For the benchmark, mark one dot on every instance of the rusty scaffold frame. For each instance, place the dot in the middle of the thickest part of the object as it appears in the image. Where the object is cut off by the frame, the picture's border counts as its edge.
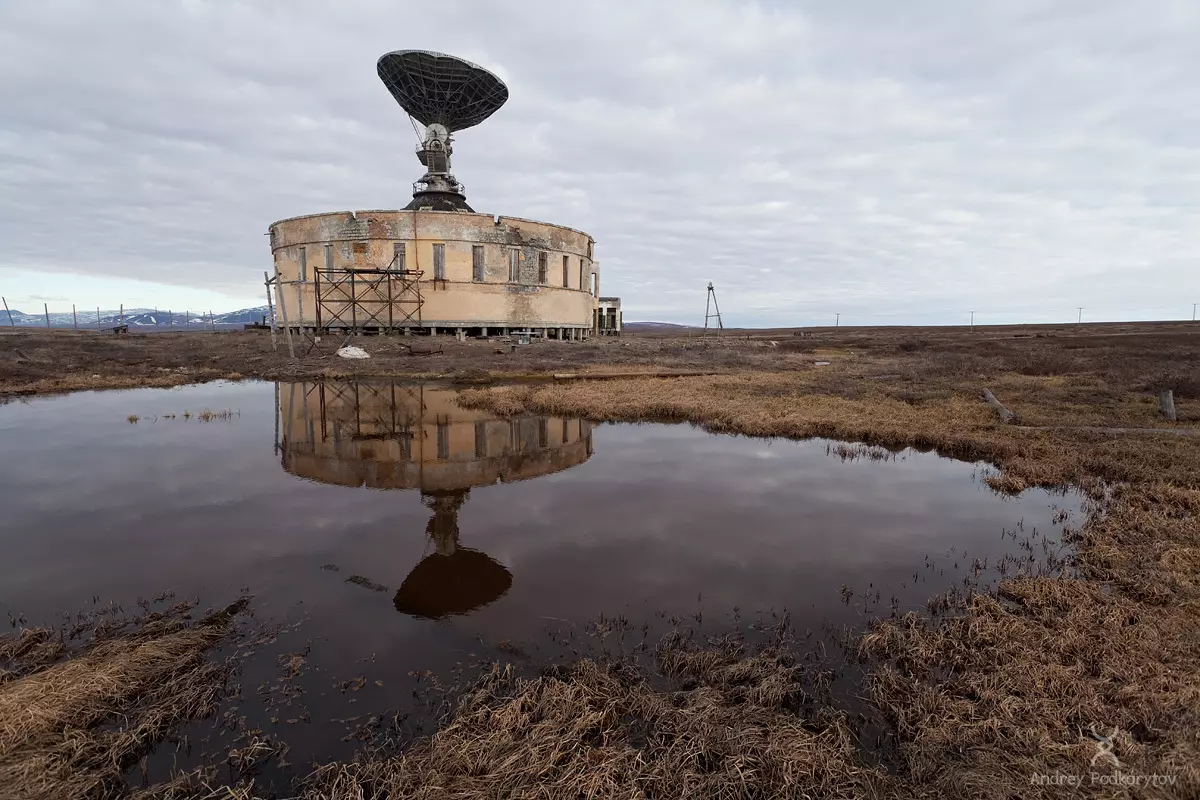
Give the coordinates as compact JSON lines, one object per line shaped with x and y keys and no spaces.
{"x":356,"y":300}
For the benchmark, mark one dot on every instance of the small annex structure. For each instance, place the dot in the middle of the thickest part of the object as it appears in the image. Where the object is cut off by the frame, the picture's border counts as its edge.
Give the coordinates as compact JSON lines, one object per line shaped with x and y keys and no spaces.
{"x":435,"y":266}
{"x":608,"y":316}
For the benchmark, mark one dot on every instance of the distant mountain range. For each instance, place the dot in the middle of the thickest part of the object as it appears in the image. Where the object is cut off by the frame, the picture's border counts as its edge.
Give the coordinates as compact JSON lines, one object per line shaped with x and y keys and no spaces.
{"x":146,"y":318}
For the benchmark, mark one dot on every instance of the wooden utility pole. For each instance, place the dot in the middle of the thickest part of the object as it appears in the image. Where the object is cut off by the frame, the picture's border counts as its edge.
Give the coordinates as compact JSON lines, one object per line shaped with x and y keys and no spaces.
{"x":11,"y":324}
{"x":287,"y":328}
{"x":46,"y":309}
{"x":271,"y":313}
{"x":74,"y":318}
{"x":97,"y":317}
{"x":711,"y":302}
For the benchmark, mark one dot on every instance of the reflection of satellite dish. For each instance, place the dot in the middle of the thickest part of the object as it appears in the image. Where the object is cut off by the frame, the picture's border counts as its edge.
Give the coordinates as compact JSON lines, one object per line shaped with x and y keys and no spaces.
{"x":453,"y":580}
{"x":445,"y":585}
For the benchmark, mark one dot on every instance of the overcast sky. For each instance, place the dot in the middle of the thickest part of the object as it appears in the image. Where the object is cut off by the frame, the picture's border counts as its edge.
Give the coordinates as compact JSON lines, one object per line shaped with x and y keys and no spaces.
{"x":897,"y":162}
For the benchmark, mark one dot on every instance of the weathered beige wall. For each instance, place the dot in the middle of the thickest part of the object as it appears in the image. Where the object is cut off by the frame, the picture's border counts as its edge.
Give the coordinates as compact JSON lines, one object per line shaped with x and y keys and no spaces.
{"x":390,"y":436}
{"x":366,"y":239}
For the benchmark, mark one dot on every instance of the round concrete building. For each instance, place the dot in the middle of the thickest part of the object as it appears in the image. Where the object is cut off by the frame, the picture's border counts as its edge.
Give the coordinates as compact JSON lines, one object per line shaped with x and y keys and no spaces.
{"x":435,"y":266}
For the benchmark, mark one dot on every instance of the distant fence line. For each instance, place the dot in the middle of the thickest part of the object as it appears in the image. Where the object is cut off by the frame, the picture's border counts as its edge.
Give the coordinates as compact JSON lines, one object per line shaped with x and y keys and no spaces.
{"x":86,"y":319}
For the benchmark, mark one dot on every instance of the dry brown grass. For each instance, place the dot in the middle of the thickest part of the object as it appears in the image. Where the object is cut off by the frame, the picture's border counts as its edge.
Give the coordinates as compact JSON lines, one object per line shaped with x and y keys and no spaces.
{"x":598,"y":730}
{"x":1012,"y":685}
{"x":56,"y":740}
{"x":1002,"y":688}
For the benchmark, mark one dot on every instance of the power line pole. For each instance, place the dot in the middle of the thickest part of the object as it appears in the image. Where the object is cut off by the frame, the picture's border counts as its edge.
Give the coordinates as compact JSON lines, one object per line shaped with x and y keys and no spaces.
{"x":972,"y":320}
{"x":1080,"y":318}
{"x":837,"y":320}
{"x":711,"y":298}
{"x":1194,"y":311}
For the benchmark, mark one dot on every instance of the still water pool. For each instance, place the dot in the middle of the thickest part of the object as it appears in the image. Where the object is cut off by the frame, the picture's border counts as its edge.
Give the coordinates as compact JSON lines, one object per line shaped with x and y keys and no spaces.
{"x":394,"y":532}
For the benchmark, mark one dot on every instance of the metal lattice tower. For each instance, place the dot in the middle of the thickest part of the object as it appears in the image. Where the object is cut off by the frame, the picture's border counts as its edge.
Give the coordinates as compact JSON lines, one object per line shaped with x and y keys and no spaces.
{"x":710,"y":303}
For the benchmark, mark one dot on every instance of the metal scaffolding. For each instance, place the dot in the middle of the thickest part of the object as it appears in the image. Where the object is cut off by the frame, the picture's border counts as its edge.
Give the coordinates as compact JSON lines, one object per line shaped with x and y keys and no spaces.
{"x":360,"y":300}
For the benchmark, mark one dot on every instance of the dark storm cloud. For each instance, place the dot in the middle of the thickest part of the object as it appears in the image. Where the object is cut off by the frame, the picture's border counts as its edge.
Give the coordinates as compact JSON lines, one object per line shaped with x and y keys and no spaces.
{"x":894,"y":162}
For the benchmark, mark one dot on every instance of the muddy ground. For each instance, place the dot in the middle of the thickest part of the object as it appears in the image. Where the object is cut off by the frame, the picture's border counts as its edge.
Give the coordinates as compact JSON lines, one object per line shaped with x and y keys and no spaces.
{"x":1130,"y":356}
{"x":1082,"y":685}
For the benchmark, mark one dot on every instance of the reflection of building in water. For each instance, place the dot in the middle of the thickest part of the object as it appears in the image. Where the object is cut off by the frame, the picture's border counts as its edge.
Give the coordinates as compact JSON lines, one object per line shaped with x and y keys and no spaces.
{"x":388,"y":435}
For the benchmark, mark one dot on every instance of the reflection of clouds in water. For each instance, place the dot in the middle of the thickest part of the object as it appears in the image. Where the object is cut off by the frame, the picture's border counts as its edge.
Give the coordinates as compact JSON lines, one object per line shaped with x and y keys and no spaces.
{"x":658,"y":515}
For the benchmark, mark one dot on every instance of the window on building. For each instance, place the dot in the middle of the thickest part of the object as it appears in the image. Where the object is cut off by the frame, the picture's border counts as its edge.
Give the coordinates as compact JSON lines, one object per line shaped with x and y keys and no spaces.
{"x":398,"y":255}
{"x":543,"y":259}
{"x":477,"y":262}
{"x":566,"y":434}
{"x":543,"y":433}
{"x":328,"y":256}
{"x":303,"y":264}
{"x":443,"y":440}
{"x":439,"y":262}
{"x":514,"y":266}
{"x":566,"y":271}
{"x":582,"y":279}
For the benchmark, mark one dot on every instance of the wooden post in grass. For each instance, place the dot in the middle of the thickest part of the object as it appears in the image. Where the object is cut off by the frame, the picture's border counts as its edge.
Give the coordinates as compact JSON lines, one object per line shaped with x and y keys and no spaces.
{"x":97,"y":317}
{"x":46,"y":309}
{"x":287,"y":329}
{"x":11,"y":324}
{"x":1166,"y":404}
{"x":271,"y":314}
{"x":74,"y":318}
{"x":1006,"y":416}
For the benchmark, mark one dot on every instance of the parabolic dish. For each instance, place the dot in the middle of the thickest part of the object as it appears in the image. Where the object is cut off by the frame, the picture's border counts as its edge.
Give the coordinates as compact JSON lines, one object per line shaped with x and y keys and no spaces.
{"x":441,"y":89}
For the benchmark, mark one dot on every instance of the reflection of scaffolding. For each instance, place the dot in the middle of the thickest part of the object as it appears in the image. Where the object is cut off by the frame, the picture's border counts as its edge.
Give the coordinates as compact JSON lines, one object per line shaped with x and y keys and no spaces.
{"x":375,"y":300}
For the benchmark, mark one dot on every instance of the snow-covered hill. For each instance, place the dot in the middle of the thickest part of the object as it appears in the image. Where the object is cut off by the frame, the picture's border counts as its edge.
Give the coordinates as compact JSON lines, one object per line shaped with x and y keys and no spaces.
{"x":136,"y":317}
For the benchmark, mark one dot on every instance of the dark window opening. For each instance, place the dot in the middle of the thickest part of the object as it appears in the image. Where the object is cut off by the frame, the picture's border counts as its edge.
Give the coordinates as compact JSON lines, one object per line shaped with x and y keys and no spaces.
{"x":481,"y":448}
{"x":543,"y":259}
{"x":328,"y":256}
{"x":303,"y":264}
{"x":514,"y":265}
{"x":566,"y":273}
{"x":443,"y":440}
{"x":439,"y":262}
{"x":398,"y":255}
{"x":477,"y":262}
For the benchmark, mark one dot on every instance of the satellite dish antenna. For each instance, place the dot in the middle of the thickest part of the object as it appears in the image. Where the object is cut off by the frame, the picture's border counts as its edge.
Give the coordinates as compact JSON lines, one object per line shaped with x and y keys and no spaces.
{"x":445,"y":94}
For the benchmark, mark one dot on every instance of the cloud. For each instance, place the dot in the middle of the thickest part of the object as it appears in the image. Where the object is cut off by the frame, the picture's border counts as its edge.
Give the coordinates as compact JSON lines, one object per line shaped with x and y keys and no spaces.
{"x":894,"y":163}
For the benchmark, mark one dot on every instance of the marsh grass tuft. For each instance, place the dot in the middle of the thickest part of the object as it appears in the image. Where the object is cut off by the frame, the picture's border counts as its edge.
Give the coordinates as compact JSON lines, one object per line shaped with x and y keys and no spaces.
{"x":59,"y":707}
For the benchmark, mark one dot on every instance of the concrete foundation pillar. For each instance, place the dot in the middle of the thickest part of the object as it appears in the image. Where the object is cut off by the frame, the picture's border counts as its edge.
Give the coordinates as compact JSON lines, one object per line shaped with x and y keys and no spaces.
{"x":433,"y":331}
{"x":483,"y":332}
{"x":461,"y":334}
